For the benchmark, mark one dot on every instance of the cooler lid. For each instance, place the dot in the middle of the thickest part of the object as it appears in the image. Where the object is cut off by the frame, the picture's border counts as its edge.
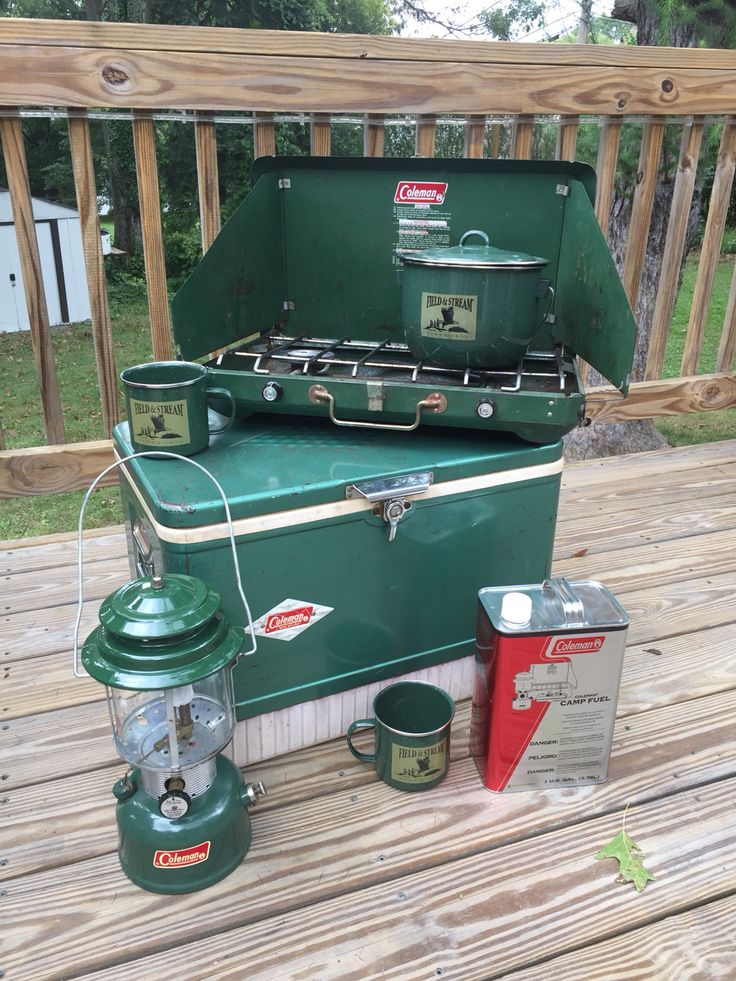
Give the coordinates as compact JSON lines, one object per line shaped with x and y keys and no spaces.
{"x":270,"y":464}
{"x":556,"y":604}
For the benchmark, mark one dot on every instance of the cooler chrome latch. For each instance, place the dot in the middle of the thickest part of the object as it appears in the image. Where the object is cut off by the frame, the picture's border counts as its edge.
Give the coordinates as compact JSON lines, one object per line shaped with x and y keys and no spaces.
{"x":390,"y":494}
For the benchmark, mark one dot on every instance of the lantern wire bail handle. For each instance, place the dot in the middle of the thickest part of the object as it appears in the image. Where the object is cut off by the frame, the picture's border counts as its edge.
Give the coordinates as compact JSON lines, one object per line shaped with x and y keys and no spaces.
{"x":156,"y":454}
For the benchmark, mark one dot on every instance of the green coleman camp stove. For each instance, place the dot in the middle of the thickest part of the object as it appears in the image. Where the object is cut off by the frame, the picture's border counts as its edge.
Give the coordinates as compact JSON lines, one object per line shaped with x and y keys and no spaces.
{"x":164,"y":650}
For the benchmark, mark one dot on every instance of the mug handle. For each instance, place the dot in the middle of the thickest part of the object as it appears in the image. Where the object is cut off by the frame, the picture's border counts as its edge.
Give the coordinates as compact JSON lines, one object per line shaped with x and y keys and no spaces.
{"x":355,"y":727}
{"x":223,"y":393}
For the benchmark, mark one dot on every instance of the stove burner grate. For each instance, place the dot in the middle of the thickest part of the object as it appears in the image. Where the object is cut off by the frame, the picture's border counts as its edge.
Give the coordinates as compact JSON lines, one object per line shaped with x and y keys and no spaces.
{"x":278,"y":354}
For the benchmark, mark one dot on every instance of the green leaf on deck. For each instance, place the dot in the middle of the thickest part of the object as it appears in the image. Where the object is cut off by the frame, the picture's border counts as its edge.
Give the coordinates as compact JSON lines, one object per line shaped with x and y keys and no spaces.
{"x":631,"y":863}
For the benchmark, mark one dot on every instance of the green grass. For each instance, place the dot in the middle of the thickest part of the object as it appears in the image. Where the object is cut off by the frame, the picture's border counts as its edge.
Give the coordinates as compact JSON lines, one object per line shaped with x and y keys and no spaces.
{"x":22,"y":418}
{"x":73,"y":347}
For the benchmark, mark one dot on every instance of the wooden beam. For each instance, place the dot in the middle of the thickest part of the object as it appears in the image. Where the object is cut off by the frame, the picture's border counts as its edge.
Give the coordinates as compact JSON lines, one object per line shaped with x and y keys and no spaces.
{"x":641,"y":212}
{"x":94,"y":264}
{"x":606,"y":169}
{"x":209,"y":40}
{"x":144,"y":142}
{"x":475,"y":136}
{"x":264,"y":135}
{"x":682,"y":198}
{"x":426,"y":135}
{"x":664,"y":397}
{"x":280,"y":83}
{"x":16,"y":169}
{"x":320,"y":135}
{"x":710,"y":249}
{"x":567,"y":138}
{"x":374,"y":132}
{"x":208,"y":181}
{"x":522,"y":135}
{"x":54,"y":469}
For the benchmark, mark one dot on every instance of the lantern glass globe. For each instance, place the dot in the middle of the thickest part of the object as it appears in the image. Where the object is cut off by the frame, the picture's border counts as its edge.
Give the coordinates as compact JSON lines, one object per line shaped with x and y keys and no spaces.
{"x":173,"y":728}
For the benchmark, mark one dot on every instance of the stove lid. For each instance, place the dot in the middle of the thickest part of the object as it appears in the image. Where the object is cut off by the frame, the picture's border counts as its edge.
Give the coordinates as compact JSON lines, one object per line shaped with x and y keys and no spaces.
{"x":316,"y":245}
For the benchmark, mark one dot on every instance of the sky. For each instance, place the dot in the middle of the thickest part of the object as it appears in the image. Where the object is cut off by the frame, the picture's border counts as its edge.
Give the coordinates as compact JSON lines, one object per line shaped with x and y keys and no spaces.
{"x":562,"y":16}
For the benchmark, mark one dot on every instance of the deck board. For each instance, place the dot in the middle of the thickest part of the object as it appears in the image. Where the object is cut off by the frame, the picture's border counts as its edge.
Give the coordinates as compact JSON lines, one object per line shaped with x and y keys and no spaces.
{"x":349,"y":879}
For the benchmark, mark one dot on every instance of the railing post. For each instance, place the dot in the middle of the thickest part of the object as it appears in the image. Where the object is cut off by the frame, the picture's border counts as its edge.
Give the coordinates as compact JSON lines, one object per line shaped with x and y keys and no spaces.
{"x":641,"y":211}
{"x":208,"y":181}
{"x":425,"y":136}
{"x":144,"y":142}
{"x":606,"y":169}
{"x":682,"y":199}
{"x":711,"y":247}
{"x":16,"y":168}
{"x":264,"y":135}
{"x":475,"y":134}
{"x":94,"y":264}
{"x":320,"y":137}
{"x":374,"y":132}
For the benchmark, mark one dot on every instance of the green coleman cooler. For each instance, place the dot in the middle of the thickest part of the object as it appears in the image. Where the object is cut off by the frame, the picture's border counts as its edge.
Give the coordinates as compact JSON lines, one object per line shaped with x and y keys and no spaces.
{"x":361,"y":555}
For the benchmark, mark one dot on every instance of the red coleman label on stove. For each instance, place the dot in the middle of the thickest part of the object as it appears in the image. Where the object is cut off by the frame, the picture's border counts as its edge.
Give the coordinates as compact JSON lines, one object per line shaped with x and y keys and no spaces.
{"x":578,"y":645}
{"x":179,"y":858}
{"x":420,"y":192}
{"x":287,"y":619}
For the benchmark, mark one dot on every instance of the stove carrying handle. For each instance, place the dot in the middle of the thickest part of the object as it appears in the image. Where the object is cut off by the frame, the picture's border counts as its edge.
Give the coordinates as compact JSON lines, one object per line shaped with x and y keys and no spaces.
{"x":435,"y":402}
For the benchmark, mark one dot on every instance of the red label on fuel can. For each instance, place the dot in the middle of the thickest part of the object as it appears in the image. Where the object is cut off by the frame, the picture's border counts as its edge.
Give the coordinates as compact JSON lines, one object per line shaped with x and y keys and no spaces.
{"x":179,"y":858}
{"x":420,"y":192}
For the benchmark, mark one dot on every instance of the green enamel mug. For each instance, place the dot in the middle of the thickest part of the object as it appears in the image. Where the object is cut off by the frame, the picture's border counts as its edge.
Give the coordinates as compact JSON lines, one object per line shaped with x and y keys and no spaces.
{"x":167,"y":406}
{"x":412,"y":721}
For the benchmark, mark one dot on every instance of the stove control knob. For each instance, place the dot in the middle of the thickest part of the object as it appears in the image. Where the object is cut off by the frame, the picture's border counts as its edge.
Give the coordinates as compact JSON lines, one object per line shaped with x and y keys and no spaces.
{"x":485,"y":409}
{"x":272,"y":392}
{"x":174,"y":804}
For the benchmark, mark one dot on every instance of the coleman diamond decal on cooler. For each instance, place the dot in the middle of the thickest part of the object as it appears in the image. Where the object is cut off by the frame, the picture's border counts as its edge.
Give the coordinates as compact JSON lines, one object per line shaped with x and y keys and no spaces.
{"x":289,"y":619}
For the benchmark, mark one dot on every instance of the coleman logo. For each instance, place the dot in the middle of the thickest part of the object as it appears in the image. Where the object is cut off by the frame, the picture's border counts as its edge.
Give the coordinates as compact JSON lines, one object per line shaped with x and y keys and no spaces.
{"x":286,"y":619}
{"x":420,"y":192}
{"x":578,"y":645}
{"x":177,"y":858}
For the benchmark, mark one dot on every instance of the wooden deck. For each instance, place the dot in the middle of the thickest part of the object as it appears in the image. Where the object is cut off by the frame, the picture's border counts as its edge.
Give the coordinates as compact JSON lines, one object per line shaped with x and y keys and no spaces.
{"x":347,"y":878}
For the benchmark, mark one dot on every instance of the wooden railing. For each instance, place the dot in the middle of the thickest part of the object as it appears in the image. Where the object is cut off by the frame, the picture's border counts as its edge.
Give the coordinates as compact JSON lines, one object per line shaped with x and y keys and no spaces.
{"x":147,"y":69}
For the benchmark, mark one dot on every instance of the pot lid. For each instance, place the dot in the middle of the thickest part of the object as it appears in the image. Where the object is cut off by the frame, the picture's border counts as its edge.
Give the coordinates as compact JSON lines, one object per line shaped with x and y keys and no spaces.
{"x":475,"y":256}
{"x":160,"y":633}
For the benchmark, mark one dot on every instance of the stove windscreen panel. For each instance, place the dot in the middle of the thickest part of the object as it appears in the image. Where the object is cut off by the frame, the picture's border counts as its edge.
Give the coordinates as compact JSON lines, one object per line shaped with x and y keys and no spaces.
{"x":315,"y":244}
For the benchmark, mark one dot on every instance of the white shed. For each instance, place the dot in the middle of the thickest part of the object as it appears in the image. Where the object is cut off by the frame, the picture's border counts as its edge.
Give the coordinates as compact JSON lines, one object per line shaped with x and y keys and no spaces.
{"x":62,"y":264}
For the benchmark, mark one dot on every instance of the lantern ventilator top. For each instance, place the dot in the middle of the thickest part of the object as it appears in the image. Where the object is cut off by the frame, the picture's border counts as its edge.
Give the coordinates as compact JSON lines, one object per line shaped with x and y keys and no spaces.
{"x":161,"y":632}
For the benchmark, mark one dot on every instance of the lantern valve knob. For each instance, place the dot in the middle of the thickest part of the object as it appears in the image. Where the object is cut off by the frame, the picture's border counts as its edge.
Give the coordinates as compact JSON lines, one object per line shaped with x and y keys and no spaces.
{"x":251,"y":792}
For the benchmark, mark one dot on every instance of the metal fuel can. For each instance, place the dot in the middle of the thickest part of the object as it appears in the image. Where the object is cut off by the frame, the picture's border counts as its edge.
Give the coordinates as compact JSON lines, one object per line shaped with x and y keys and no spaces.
{"x":548,"y":669}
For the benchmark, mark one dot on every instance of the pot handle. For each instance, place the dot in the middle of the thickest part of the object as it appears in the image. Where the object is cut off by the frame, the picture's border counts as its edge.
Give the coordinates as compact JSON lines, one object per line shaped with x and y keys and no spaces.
{"x":475,"y":231}
{"x":549,"y":290}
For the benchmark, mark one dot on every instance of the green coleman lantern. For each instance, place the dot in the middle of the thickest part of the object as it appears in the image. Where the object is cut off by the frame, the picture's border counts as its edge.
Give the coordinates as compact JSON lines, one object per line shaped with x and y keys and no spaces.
{"x":164,"y":650}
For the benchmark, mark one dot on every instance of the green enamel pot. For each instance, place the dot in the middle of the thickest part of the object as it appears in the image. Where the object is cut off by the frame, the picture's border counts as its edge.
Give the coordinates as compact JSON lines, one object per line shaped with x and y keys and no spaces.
{"x":472,"y":305}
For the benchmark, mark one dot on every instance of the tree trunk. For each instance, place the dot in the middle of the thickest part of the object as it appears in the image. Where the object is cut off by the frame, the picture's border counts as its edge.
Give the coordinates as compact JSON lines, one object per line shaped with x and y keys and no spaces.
{"x":610,"y":439}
